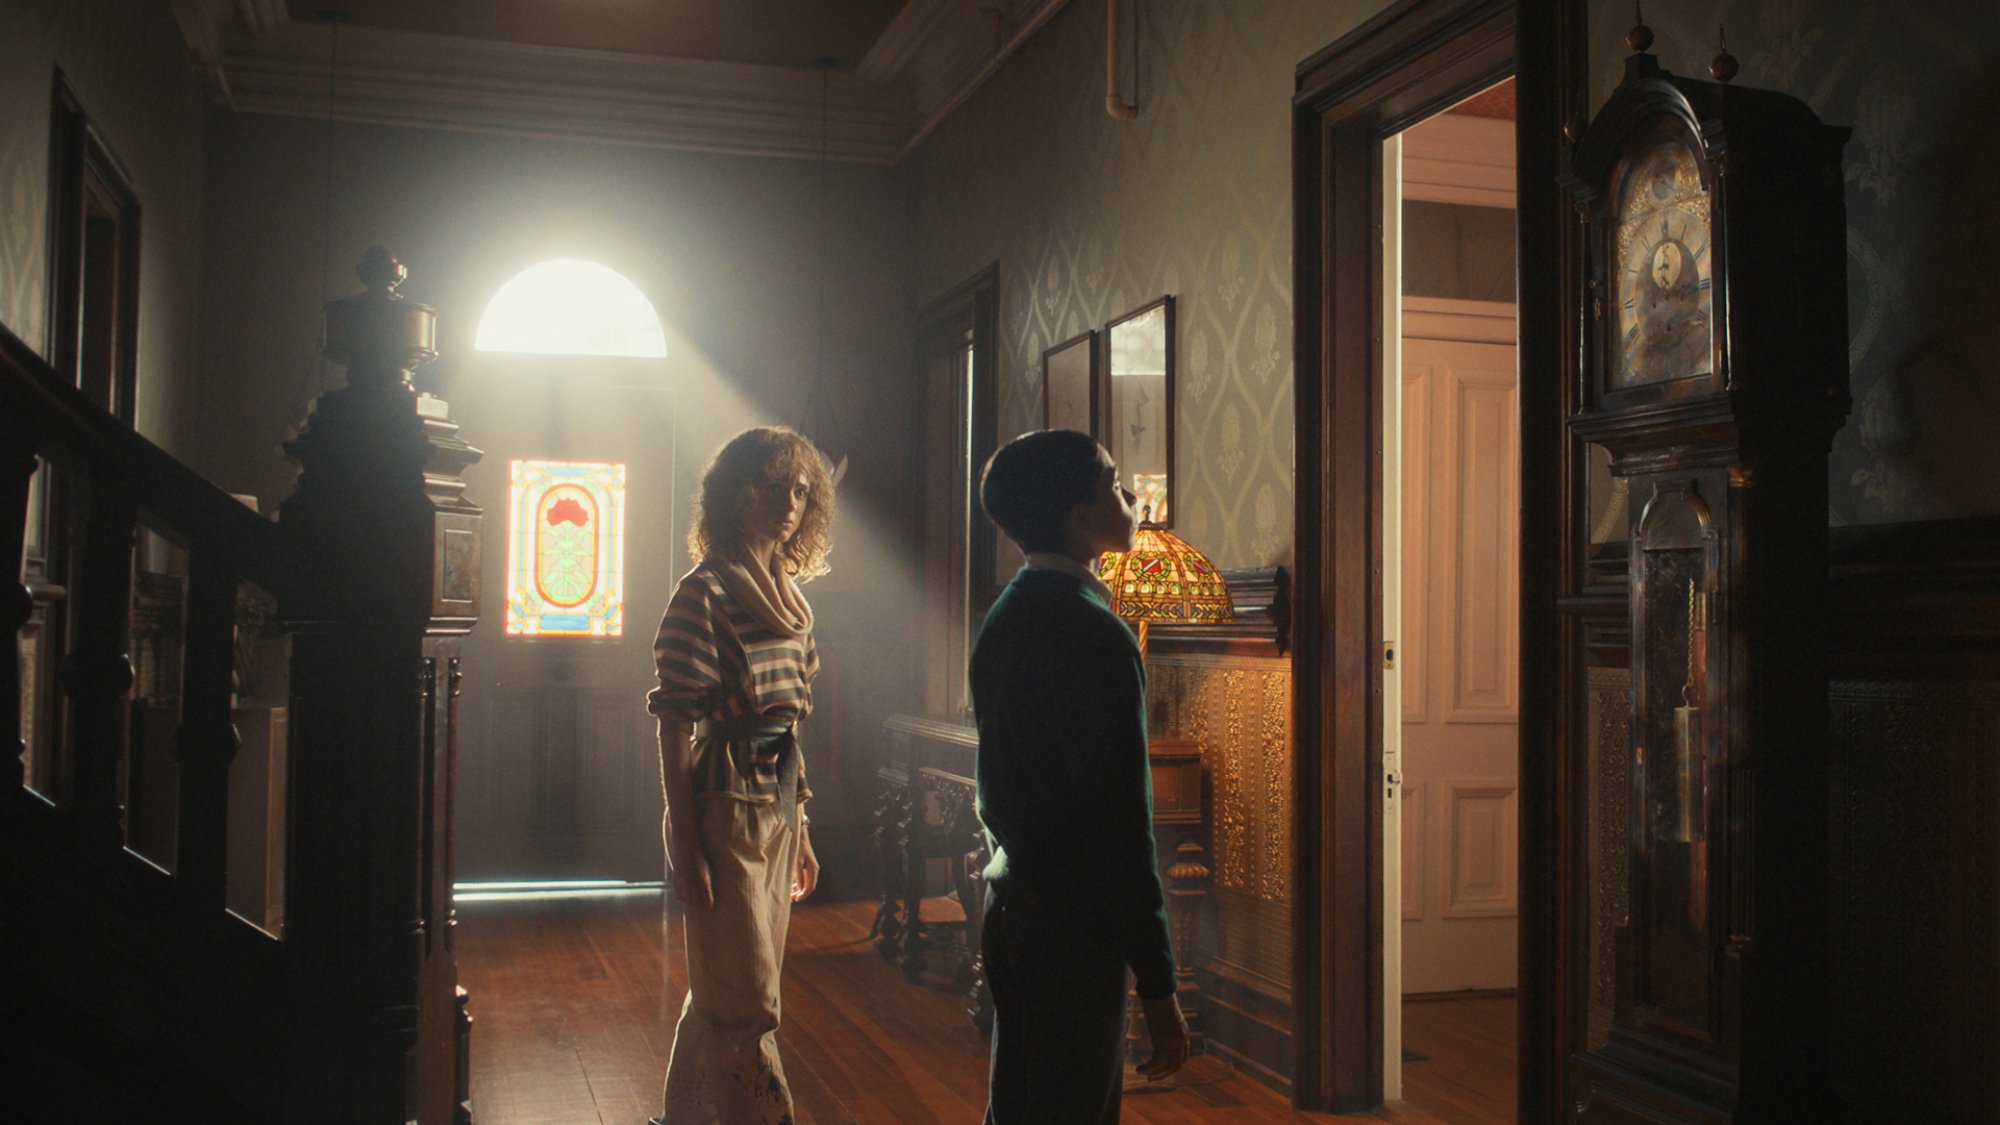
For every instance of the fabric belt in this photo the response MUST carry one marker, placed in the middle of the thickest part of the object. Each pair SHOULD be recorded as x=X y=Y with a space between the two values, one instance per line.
x=743 y=728
x=761 y=731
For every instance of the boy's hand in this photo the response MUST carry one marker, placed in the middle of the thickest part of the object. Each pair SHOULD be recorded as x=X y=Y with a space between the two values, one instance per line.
x=1168 y=1030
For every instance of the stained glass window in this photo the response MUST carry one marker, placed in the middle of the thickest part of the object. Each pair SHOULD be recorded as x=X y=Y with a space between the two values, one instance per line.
x=566 y=549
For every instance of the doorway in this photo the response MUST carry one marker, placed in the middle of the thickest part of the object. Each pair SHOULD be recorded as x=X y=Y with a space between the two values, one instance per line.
x=579 y=415
x=559 y=774
x=1450 y=612
x=1407 y=65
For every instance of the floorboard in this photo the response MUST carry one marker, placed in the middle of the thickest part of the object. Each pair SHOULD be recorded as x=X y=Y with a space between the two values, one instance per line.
x=573 y=1005
x=1468 y=1072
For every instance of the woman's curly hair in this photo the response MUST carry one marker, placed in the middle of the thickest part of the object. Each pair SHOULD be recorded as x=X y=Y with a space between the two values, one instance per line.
x=764 y=457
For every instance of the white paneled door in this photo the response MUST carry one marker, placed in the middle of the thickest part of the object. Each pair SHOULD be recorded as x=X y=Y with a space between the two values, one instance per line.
x=1460 y=752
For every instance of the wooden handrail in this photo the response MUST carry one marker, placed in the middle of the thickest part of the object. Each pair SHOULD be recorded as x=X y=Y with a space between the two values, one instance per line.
x=67 y=425
x=76 y=883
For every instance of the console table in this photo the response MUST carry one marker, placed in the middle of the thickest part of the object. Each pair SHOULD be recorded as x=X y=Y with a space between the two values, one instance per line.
x=924 y=812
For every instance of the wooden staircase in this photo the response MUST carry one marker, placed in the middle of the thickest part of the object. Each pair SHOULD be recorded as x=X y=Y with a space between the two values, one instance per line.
x=187 y=933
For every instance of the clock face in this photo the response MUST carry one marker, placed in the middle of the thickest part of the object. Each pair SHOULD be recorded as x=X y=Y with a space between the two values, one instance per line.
x=1662 y=283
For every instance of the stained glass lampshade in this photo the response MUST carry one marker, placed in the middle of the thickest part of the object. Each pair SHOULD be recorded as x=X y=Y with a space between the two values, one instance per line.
x=1163 y=578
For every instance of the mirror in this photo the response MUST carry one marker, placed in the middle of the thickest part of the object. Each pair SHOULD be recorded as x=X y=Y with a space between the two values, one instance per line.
x=1139 y=405
x=1069 y=385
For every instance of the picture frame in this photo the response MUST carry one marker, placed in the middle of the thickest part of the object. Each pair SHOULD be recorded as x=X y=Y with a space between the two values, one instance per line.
x=1136 y=405
x=1070 y=385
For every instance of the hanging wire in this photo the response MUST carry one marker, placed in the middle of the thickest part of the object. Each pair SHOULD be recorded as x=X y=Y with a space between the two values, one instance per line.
x=819 y=345
x=333 y=20
x=316 y=364
x=813 y=420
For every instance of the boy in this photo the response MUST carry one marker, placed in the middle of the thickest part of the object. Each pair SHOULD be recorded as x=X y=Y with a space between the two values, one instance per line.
x=1065 y=792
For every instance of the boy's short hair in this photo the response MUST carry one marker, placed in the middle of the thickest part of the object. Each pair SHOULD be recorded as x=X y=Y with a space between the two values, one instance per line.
x=1030 y=485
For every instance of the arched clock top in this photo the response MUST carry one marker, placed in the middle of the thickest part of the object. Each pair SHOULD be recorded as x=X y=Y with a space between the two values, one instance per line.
x=1726 y=124
x=1675 y=518
x=1715 y=252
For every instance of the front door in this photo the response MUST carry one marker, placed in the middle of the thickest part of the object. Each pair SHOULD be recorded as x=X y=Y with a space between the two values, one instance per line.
x=558 y=773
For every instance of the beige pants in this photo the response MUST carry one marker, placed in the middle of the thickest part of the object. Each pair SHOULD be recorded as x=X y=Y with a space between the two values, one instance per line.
x=724 y=1069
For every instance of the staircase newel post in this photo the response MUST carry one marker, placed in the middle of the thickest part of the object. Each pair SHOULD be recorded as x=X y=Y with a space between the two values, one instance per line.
x=385 y=550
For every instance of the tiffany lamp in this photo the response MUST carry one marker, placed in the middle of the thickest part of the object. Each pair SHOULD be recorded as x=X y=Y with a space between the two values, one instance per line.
x=1163 y=578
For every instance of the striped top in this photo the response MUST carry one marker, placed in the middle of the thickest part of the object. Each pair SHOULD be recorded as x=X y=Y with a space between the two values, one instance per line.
x=717 y=662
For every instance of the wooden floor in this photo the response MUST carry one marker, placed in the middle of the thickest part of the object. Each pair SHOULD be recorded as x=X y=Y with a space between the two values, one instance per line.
x=573 y=1016
x=1466 y=1072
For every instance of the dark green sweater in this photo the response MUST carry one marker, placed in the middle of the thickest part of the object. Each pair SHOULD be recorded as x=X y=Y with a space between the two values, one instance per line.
x=1065 y=790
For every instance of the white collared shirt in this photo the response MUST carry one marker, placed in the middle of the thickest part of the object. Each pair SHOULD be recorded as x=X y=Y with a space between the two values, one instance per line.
x=1063 y=564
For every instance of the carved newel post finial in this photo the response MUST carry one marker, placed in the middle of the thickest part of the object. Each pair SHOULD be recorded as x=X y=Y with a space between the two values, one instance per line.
x=377 y=335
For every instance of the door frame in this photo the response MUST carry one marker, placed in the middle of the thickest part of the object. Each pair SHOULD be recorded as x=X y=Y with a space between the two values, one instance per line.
x=83 y=171
x=1408 y=62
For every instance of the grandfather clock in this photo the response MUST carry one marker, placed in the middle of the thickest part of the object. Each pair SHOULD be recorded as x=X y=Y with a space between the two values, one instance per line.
x=1713 y=367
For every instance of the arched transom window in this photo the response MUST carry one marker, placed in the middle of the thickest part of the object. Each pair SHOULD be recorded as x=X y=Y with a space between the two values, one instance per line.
x=567 y=306
x=566 y=518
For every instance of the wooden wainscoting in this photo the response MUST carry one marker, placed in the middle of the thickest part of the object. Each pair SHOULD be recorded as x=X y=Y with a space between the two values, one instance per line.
x=1228 y=688
x=1914 y=840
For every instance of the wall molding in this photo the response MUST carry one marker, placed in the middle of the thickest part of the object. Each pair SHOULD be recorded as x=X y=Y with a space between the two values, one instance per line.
x=1916 y=595
x=255 y=59
x=1461 y=894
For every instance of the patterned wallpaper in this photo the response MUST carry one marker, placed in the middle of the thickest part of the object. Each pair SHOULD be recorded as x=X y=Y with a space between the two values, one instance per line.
x=1920 y=85
x=24 y=164
x=1091 y=217
x=127 y=65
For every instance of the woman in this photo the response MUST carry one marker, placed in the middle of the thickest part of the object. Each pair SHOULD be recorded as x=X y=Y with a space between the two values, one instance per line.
x=736 y=661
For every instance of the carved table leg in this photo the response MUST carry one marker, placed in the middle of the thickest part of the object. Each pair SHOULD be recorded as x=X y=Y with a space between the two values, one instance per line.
x=1187 y=892
x=909 y=952
x=882 y=835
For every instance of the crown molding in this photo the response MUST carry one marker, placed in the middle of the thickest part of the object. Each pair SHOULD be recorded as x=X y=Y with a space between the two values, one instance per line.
x=564 y=93
x=263 y=17
x=963 y=46
x=916 y=24
x=931 y=57
x=201 y=28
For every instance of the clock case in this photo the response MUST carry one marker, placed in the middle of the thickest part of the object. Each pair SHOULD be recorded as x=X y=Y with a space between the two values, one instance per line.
x=1720 y=961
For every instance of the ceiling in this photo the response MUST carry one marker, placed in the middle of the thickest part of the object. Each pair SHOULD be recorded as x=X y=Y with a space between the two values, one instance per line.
x=764 y=32
x=734 y=76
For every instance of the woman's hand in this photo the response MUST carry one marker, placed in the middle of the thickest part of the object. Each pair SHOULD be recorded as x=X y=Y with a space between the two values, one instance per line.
x=807 y=876
x=693 y=885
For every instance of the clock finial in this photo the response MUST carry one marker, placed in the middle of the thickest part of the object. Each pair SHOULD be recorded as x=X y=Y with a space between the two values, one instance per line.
x=1641 y=36
x=1723 y=67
